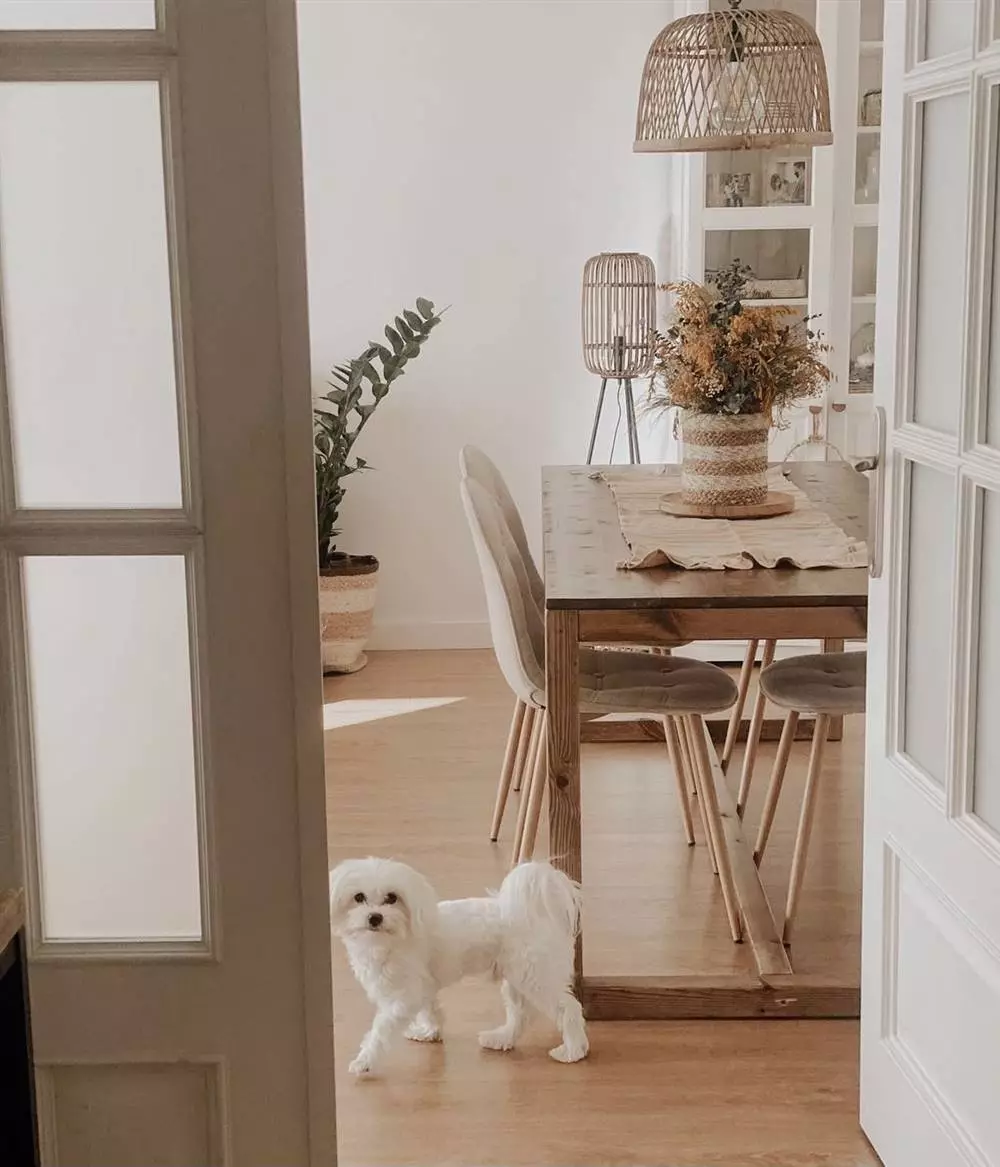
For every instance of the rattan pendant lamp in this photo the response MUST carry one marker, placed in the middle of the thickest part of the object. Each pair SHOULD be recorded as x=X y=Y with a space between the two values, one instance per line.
x=738 y=80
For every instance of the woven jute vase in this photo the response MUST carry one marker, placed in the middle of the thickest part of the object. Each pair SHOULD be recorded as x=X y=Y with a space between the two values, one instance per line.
x=346 y=610
x=724 y=459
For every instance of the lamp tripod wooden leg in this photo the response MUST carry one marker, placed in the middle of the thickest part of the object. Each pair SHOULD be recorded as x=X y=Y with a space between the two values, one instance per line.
x=753 y=733
x=507 y=771
x=680 y=775
x=806 y=817
x=736 y=717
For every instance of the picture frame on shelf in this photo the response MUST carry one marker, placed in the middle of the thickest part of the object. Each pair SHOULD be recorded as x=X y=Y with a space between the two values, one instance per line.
x=733 y=189
x=786 y=181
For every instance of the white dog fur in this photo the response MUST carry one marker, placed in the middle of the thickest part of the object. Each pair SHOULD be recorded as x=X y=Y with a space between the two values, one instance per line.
x=405 y=946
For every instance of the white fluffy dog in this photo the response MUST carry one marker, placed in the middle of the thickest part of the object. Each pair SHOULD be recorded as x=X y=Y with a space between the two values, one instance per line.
x=405 y=946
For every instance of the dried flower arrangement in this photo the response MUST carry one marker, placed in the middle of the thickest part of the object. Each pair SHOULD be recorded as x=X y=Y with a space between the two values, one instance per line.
x=721 y=357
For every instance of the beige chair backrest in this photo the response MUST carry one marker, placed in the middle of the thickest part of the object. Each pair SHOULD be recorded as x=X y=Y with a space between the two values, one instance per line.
x=478 y=466
x=515 y=620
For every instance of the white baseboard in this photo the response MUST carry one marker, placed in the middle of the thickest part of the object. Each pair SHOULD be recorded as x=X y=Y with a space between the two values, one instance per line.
x=446 y=634
x=475 y=634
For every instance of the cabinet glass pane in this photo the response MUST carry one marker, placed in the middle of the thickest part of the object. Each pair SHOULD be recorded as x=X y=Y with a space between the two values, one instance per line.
x=868 y=165
x=59 y=15
x=114 y=754
x=939 y=318
x=88 y=329
x=758 y=178
x=872 y=18
x=779 y=260
x=986 y=773
x=927 y=657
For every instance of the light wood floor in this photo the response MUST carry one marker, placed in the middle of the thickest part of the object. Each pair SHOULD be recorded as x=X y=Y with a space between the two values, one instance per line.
x=416 y=781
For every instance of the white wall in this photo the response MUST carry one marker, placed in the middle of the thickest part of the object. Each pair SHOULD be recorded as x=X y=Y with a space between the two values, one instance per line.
x=474 y=152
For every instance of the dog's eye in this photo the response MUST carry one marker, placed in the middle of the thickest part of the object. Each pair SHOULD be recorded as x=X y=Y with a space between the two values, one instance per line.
x=391 y=898
x=359 y=898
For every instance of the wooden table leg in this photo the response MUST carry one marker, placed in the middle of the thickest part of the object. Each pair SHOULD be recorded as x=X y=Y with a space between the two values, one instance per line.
x=836 y=732
x=562 y=699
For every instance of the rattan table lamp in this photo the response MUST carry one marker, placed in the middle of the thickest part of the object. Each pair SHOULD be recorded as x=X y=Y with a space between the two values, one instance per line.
x=744 y=79
x=619 y=319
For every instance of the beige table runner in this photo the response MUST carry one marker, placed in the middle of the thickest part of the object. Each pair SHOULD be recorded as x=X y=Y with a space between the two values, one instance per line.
x=807 y=537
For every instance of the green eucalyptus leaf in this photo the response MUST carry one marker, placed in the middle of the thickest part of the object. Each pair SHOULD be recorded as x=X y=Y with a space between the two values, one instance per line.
x=394 y=339
x=404 y=330
x=425 y=308
x=414 y=321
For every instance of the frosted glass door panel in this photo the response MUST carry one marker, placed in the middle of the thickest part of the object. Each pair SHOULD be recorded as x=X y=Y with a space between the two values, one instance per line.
x=992 y=403
x=986 y=775
x=88 y=327
x=66 y=15
x=926 y=682
x=948 y=27
x=113 y=741
x=939 y=326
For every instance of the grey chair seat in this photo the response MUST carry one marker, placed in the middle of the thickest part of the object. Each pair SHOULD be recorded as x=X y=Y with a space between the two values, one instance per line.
x=623 y=682
x=828 y=682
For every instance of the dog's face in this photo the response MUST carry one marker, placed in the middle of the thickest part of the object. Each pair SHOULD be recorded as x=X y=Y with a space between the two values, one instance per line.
x=379 y=898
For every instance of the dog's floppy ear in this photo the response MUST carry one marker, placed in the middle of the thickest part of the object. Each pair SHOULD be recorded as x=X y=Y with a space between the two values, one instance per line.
x=342 y=880
x=421 y=903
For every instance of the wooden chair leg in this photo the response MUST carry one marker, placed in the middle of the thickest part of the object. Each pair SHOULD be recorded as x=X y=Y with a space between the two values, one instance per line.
x=691 y=761
x=680 y=775
x=753 y=733
x=523 y=752
x=736 y=717
x=537 y=742
x=535 y=795
x=806 y=817
x=686 y=761
x=710 y=799
x=507 y=771
x=774 y=786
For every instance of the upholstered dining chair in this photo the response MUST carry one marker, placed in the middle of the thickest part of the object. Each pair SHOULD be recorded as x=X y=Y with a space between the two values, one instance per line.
x=477 y=465
x=828 y=684
x=668 y=687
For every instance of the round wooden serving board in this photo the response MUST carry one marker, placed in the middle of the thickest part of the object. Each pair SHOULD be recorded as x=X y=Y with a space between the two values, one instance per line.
x=776 y=503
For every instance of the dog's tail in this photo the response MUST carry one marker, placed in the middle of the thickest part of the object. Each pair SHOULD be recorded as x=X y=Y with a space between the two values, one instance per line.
x=537 y=898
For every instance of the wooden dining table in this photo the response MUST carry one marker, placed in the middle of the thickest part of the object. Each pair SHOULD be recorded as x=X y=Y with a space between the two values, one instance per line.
x=590 y=600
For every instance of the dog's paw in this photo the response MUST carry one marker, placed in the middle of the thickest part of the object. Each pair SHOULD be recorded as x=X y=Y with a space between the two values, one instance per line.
x=423 y=1031
x=569 y=1053
x=498 y=1039
x=361 y=1067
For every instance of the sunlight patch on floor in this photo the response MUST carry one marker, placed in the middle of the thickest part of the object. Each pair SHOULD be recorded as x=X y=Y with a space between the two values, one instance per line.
x=337 y=714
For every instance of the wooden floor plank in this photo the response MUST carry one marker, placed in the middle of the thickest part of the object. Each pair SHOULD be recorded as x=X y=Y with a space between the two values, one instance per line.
x=414 y=748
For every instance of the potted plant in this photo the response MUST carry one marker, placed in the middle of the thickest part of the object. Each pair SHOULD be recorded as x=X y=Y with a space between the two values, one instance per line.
x=347 y=582
x=732 y=371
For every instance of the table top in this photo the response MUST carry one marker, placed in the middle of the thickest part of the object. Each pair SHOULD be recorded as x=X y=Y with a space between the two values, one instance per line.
x=583 y=543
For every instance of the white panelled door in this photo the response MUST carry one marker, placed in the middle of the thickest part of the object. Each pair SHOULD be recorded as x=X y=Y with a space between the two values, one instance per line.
x=930 y=1090
x=161 y=721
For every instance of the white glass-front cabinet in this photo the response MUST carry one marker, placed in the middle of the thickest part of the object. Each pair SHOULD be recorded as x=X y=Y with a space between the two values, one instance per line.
x=806 y=221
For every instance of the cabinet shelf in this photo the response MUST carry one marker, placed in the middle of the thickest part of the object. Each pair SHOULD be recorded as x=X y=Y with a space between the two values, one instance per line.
x=771 y=218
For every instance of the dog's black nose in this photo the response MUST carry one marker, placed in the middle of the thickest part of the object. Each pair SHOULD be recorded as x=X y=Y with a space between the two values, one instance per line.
x=375 y=919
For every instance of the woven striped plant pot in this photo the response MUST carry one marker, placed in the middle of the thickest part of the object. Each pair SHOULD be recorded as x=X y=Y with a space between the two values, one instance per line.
x=724 y=459
x=346 y=610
